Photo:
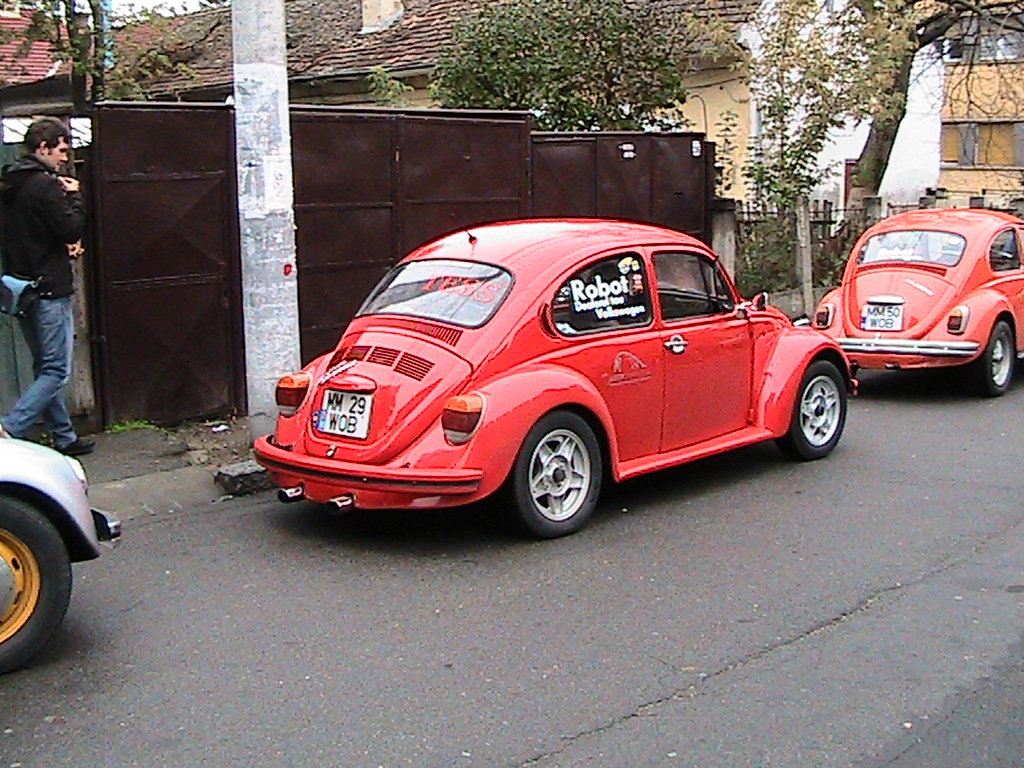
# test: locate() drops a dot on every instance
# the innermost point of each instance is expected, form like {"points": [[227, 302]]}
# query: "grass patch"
{"points": [[129, 426]]}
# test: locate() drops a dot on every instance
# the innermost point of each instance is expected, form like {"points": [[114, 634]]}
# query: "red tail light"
{"points": [[823, 317], [956, 323], [291, 391], [461, 417]]}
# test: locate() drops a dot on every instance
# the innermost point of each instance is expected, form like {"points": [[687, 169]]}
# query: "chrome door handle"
{"points": [[676, 344]]}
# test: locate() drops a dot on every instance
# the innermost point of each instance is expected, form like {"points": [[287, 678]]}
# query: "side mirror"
{"points": [[759, 302]]}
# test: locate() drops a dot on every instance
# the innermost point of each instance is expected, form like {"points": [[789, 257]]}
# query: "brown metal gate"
{"points": [[372, 185], [661, 178], [166, 310]]}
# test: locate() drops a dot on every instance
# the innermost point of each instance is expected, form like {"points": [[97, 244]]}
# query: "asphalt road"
{"points": [[865, 610]]}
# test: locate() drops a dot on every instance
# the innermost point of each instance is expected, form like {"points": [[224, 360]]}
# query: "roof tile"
{"points": [[324, 39]]}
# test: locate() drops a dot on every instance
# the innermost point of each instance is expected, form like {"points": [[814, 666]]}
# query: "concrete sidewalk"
{"points": [[147, 471]]}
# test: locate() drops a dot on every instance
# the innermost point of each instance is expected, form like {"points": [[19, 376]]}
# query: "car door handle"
{"points": [[676, 344]]}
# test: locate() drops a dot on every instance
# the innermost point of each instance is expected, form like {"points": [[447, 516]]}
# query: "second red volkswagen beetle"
{"points": [[934, 289], [532, 359]]}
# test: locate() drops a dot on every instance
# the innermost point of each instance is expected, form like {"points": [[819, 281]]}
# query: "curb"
{"points": [[160, 493]]}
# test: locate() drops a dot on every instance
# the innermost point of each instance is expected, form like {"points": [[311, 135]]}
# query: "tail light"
{"points": [[956, 323], [291, 391], [824, 316], [461, 417]]}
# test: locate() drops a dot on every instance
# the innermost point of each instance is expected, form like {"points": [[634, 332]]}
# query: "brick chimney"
{"points": [[380, 14]]}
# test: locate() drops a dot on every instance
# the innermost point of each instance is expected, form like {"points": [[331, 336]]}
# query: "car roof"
{"points": [[527, 245], [970, 222]]}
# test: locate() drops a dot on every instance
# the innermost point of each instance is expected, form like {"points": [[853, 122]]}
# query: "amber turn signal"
{"points": [[291, 391], [461, 417]]}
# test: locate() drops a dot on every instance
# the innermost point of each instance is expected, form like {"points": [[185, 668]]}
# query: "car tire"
{"points": [[819, 413], [992, 373], [35, 582], [556, 478]]}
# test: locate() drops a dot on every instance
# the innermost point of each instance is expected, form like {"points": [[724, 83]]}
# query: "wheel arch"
{"points": [[78, 546], [597, 427], [777, 396]]}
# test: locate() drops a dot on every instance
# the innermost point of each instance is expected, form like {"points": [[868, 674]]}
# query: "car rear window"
{"points": [[914, 245], [463, 293]]}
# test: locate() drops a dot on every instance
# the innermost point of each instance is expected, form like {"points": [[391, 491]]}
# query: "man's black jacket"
{"points": [[37, 221]]}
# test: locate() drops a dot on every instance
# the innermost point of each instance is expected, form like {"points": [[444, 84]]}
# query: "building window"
{"points": [[985, 40], [983, 144]]}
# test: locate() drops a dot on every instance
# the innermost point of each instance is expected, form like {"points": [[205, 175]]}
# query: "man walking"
{"points": [[41, 214]]}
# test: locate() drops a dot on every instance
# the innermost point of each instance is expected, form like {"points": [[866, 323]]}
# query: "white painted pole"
{"points": [[265, 196]]}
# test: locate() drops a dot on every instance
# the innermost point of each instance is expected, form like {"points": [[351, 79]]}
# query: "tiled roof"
{"points": [[324, 39], [15, 67]]}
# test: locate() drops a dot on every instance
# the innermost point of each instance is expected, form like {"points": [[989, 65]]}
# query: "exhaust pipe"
{"points": [[340, 504], [296, 493]]}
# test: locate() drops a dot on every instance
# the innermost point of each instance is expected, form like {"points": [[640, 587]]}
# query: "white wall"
{"points": [[914, 164]]}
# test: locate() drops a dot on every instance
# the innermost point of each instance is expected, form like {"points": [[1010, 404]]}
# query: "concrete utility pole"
{"points": [[265, 195]]}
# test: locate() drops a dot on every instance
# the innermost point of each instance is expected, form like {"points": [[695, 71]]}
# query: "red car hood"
{"points": [[926, 295], [409, 380]]}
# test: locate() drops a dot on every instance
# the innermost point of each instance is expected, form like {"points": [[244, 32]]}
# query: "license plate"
{"points": [[882, 317], [346, 414]]}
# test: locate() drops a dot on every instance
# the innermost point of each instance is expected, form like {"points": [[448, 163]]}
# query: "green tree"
{"points": [[811, 72], [387, 90], [971, 24], [576, 64]]}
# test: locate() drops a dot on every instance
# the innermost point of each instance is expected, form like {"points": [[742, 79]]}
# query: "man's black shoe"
{"points": [[80, 447]]}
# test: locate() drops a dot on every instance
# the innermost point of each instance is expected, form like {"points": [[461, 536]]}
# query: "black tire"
{"points": [[819, 413], [992, 373], [35, 582], [556, 478]]}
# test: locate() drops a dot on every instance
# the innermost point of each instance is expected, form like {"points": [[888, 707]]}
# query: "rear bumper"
{"points": [[910, 347], [372, 486], [108, 527]]}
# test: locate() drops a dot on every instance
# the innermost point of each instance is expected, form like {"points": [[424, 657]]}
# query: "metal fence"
{"points": [[779, 250]]}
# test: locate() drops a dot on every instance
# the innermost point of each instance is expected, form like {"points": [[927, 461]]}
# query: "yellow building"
{"points": [[983, 116]]}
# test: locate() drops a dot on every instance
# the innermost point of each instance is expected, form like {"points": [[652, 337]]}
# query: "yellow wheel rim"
{"points": [[27, 584]]}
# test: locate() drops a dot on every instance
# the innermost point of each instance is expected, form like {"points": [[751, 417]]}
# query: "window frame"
{"points": [[1004, 264], [718, 294], [603, 260]]}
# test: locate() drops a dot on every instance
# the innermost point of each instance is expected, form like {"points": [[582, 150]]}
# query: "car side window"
{"points": [[1004, 254], [610, 293], [690, 285]]}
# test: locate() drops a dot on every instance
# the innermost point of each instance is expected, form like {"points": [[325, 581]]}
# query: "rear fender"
{"points": [[516, 401], [780, 380], [986, 308]]}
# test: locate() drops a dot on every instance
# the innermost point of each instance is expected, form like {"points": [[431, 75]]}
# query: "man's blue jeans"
{"points": [[49, 333]]}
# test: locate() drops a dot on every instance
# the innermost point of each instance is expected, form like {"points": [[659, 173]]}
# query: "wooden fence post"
{"points": [[723, 233], [803, 253]]}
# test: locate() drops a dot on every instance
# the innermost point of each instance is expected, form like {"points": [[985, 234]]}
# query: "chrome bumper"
{"points": [[108, 527], [910, 347]]}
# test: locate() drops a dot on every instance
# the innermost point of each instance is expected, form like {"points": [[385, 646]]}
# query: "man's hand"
{"points": [[68, 183]]}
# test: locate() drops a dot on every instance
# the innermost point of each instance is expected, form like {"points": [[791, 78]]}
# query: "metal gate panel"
{"points": [[345, 217], [563, 173], [663, 178], [623, 178], [680, 192], [458, 172], [166, 270]]}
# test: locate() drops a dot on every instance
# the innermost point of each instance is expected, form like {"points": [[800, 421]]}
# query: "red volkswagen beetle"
{"points": [[934, 288], [532, 358]]}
